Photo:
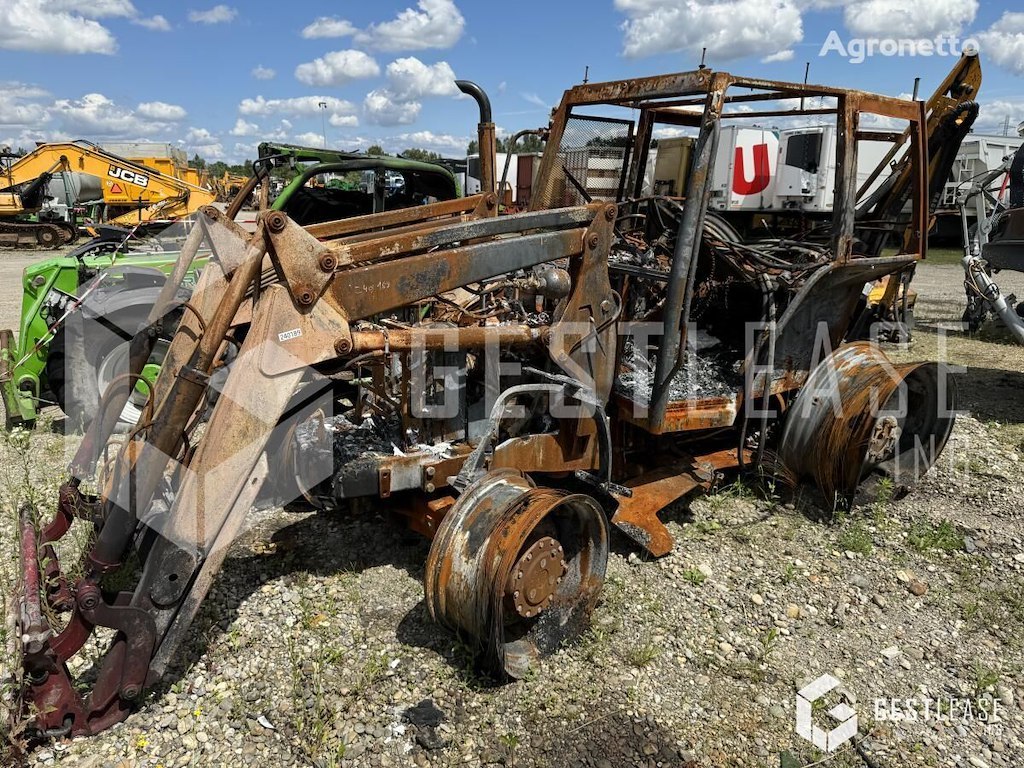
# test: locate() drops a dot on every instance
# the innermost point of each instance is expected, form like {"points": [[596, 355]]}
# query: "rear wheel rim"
{"points": [[115, 363]]}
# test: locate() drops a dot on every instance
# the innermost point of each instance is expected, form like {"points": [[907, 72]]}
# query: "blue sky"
{"points": [[220, 77]]}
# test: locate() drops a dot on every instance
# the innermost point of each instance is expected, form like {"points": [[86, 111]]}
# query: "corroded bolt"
{"points": [[606, 306], [609, 213], [306, 297], [276, 221], [328, 262], [429, 488], [593, 240], [430, 471], [343, 346], [130, 692]]}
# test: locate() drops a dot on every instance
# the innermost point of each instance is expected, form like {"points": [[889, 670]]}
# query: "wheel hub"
{"points": [[884, 438], [535, 577]]}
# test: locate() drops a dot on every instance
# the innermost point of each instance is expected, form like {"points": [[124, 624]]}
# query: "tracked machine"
{"points": [[516, 387]]}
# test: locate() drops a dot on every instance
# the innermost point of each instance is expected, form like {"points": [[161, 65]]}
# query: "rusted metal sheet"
{"points": [[474, 337], [377, 221], [637, 515], [366, 291]]}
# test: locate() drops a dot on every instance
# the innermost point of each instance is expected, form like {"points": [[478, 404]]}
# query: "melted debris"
{"points": [[705, 375]]}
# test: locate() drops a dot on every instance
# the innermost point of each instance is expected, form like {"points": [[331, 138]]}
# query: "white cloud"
{"points": [[242, 128], [908, 18], [263, 73], [344, 121], [211, 151], [70, 27], [299, 105], [1003, 42], [435, 142], [199, 136], [729, 29], [159, 110], [243, 151], [310, 139], [380, 108], [410, 79], [157, 23], [536, 100], [994, 114], [785, 55], [19, 105], [672, 132], [219, 14], [328, 26], [95, 9], [437, 24], [96, 116], [337, 68]]}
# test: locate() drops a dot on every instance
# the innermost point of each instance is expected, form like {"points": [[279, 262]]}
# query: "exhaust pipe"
{"points": [[485, 134]]}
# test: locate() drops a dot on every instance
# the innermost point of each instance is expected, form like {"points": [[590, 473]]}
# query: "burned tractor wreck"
{"points": [[510, 384]]}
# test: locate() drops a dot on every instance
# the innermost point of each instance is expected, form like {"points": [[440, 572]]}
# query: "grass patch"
{"points": [[926, 537], [737, 491], [855, 538], [694, 576], [643, 654]]}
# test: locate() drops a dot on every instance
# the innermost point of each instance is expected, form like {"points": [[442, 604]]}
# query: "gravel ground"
{"points": [[315, 641]]}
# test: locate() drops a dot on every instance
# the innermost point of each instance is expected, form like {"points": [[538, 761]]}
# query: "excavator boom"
{"points": [[135, 192]]}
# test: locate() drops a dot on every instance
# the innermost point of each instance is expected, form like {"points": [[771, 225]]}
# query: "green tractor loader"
{"points": [[80, 310]]}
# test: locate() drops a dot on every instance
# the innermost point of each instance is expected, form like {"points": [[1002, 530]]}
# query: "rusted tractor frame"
{"points": [[388, 328]]}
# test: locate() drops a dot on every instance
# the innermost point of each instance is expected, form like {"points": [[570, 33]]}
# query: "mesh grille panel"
{"points": [[593, 156]]}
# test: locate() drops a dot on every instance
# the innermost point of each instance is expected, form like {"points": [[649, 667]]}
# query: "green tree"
{"points": [[198, 162], [525, 145], [376, 150], [423, 155], [219, 168]]}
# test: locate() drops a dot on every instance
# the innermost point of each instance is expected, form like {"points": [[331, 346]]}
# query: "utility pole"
{"points": [[1006, 126], [323, 120], [586, 74], [807, 73]]}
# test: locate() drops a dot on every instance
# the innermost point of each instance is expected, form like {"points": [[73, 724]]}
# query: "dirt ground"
{"points": [[315, 642]]}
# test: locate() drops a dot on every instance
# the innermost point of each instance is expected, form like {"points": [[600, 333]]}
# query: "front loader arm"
{"points": [[179, 500]]}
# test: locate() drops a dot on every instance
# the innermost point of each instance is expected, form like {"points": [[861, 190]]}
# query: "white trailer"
{"points": [[979, 154], [745, 168], [806, 176]]}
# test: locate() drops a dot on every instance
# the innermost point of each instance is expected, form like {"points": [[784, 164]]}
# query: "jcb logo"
{"points": [[129, 176]]}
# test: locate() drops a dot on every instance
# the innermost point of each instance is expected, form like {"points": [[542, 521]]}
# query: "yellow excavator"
{"points": [[132, 193]]}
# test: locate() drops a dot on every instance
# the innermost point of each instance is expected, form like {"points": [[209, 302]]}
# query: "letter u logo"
{"points": [[762, 172]]}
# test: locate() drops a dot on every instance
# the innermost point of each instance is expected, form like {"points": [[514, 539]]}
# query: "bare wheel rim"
{"points": [[489, 547], [114, 364]]}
